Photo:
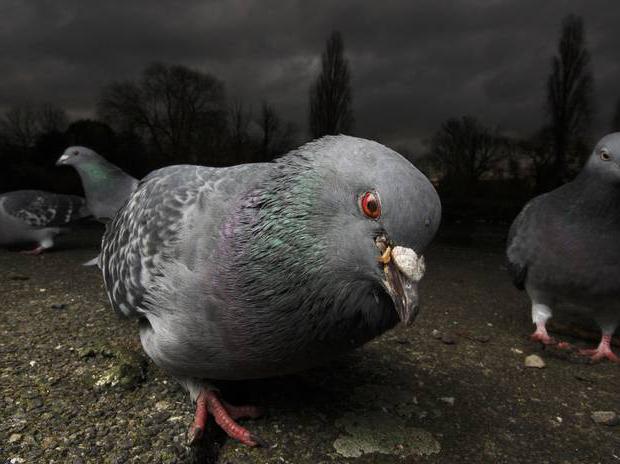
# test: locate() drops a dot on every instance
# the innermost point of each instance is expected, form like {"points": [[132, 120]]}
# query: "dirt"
{"points": [[75, 386]]}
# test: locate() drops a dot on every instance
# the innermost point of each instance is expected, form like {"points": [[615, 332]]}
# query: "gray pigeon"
{"points": [[106, 186], [264, 269], [37, 216], [564, 248]]}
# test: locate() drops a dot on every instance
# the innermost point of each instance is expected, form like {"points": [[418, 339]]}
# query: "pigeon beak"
{"points": [[402, 269], [62, 160]]}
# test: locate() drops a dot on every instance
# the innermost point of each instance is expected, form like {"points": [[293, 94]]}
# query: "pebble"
{"points": [[448, 339], [162, 405], [605, 418], [448, 400], [534, 361], [436, 334], [482, 338], [15, 438]]}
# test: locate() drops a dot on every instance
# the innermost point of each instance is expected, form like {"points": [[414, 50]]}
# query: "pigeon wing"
{"points": [[519, 244], [44, 209], [165, 225]]}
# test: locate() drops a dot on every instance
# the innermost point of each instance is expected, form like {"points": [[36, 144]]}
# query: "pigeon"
{"points": [[37, 216], [259, 270], [106, 186], [563, 248]]}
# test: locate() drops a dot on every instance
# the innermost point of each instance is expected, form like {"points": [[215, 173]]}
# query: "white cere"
{"points": [[409, 263]]}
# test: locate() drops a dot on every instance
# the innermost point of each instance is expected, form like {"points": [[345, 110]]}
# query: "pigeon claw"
{"points": [[243, 412], [225, 415], [603, 351], [544, 339], [541, 335], [194, 434], [259, 441]]}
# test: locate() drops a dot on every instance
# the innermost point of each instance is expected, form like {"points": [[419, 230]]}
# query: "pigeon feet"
{"points": [[603, 351], [225, 415], [36, 251], [541, 335]]}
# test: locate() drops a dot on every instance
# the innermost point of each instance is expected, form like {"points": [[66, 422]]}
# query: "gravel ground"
{"points": [[75, 386]]}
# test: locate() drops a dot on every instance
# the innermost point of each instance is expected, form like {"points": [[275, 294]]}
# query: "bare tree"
{"points": [[330, 95], [569, 95], [22, 124], [465, 150], [615, 122], [269, 123], [51, 118], [178, 109], [240, 118], [19, 126], [276, 137]]}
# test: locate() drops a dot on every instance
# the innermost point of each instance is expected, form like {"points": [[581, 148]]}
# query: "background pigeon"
{"points": [[264, 269], [36, 216], [564, 247], [106, 186]]}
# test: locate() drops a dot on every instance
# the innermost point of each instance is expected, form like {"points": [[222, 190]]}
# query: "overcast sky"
{"points": [[413, 63]]}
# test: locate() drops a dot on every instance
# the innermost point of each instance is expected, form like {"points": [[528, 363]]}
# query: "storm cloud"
{"points": [[413, 64]]}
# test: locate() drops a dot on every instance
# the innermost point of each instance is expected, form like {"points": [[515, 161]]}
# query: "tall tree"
{"points": [[615, 122], [569, 95], [276, 137], [178, 109], [330, 95]]}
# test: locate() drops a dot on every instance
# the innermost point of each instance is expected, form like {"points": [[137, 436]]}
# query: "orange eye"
{"points": [[370, 205]]}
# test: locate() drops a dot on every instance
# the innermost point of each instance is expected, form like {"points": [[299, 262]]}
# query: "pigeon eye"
{"points": [[605, 155], [370, 205]]}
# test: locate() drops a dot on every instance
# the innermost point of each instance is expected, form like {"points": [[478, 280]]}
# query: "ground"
{"points": [[75, 386]]}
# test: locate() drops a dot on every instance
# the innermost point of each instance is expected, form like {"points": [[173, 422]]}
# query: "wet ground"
{"points": [[75, 386]]}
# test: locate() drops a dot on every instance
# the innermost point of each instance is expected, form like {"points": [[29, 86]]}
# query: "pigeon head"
{"points": [[77, 156], [605, 159], [341, 222]]}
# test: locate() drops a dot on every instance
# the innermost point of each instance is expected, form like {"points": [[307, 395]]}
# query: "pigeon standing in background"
{"points": [[565, 247], [106, 186], [265, 269], [37, 216]]}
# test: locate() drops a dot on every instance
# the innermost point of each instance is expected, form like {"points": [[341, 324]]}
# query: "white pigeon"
{"points": [[106, 186], [37, 216]]}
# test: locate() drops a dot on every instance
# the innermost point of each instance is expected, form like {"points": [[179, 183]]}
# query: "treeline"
{"points": [[483, 173], [170, 114]]}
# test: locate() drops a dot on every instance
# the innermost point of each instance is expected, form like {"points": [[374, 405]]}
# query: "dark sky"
{"points": [[414, 63]]}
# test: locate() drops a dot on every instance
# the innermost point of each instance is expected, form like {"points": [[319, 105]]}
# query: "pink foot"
{"points": [[603, 351], [541, 335], [242, 412], [224, 415], [36, 251]]}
